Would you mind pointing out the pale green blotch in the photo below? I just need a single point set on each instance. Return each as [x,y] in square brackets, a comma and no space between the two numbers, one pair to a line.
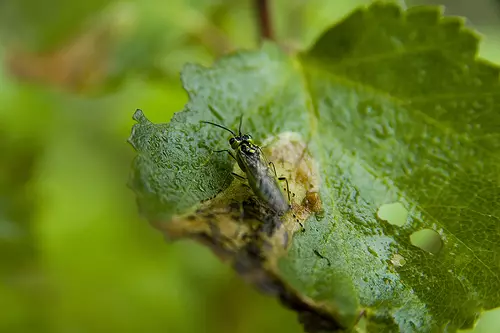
[428,240]
[394,213]
[398,260]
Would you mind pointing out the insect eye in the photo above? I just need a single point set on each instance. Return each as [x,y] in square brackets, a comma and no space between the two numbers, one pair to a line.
[232,141]
[248,137]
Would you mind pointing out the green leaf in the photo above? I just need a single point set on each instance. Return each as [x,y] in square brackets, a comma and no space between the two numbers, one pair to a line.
[397,114]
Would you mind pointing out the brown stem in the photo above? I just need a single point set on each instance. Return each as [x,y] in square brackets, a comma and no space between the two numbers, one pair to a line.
[264,19]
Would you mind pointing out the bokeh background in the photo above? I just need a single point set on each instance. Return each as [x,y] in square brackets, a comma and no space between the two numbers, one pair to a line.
[74,254]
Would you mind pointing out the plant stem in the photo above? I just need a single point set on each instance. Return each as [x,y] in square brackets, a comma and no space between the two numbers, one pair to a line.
[264,19]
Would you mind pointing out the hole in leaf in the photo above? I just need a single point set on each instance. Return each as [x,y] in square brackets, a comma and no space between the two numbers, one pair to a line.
[487,320]
[398,260]
[428,240]
[394,213]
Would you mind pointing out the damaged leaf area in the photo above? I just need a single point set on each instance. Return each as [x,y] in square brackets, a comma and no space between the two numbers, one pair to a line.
[387,132]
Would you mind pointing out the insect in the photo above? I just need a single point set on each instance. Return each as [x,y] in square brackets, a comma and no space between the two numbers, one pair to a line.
[262,179]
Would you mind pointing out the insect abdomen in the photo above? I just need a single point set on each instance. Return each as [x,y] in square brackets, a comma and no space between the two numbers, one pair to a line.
[261,180]
[268,189]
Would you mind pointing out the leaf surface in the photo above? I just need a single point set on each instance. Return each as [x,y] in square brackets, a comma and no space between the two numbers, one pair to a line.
[402,121]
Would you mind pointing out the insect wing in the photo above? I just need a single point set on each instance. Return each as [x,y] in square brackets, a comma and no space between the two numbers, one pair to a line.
[253,165]
[262,179]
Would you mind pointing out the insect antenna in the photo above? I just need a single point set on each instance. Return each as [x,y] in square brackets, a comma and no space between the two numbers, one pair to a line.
[239,128]
[220,126]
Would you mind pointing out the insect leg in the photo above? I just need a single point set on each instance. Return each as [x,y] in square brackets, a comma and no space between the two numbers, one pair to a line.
[241,178]
[281,178]
[287,187]
[274,168]
[238,176]
[230,154]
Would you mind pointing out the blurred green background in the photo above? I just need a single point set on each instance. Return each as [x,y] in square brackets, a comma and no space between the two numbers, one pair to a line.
[75,255]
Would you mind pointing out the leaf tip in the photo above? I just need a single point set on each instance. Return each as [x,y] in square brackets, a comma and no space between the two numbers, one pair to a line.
[140,119]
